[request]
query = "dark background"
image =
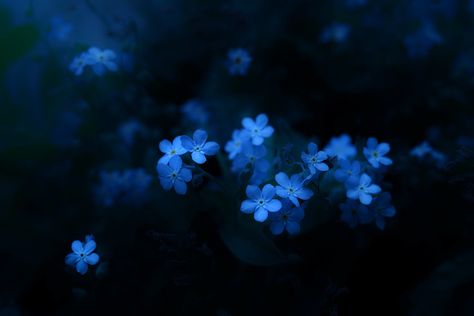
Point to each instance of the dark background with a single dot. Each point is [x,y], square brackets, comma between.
[164,256]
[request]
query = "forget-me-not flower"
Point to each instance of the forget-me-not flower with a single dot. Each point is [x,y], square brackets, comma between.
[292,188]
[258,129]
[234,147]
[288,217]
[78,64]
[260,202]
[314,159]
[348,171]
[363,190]
[83,255]
[336,33]
[171,149]
[199,147]
[238,61]
[101,60]
[174,175]
[129,129]
[354,213]
[420,43]
[251,155]
[375,153]
[341,147]
[381,208]
[195,111]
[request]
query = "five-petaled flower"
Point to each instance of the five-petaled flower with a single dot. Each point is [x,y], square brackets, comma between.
[82,255]
[292,188]
[348,172]
[363,190]
[288,217]
[341,147]
[101,60]
[314,159]
[171,149]
[234,147]
[258,129]
[375,152]
[260,202]
[238,61]
[199,147]
[174,175]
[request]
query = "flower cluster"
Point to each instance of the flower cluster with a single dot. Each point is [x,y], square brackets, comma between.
[83,255]
[99,60]
[173,173]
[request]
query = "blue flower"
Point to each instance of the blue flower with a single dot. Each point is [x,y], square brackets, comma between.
[336,32]
[253,155]
[199,147]
[238,61]
[82,255]
[363,190]
[354,213]
[341,147]
[174,175]
[234,147]
[424,150]
[128,130]
[260,202]
[382,208]
[288,217]
[171,150]
[78,64]
[195,111]
[420,43]
[101,60]
[348,171]
[293,188]
[375,152]
[314,159]
[258,129]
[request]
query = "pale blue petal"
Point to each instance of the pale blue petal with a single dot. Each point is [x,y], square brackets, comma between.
[353,194]
[365,179]
[166,183]
[282,179]
[186,174]
[76,247]
[165,159]
[372,143]
[92,259]
[187,143]
[267,131]
[89,247]
[72,259]
[268,192]
[261,215]
[282,192]
[211,148]
[322,167]
[198,157]
[200,137]
[294,200]
[312,149]
[163,170]
[248,123]
[248,206]
[82,267]
[385,161]
[176,163]
[257,140]
[253,192]
[165,146]
[180,187]
[304,193]
[273,206]
[365,198]
[261,121]
[383,148]
[373,189]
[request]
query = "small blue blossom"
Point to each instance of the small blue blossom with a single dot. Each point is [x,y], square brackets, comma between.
[375,152]
[288,217]
[199,147]
[195,111]
[420,43]
[78,64]
[314,159]
[101,60]
[171,150]
[238,62]
[363,190]
[292,188]
[234,147]
[174,175]
[260,202]
[348,172]
[381,208]
[354,213]
[341,147]
[251,155]
[258,129]
[83,255]
[336,33]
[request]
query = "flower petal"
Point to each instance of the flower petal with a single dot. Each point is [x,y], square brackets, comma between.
[76,247]
[82,267]
[71,259]
[268,192]
[257,140]
[200,137]
[198,157]
[186,174]
[248,123]
[292,228]
[267,132]
[261,215]
[373,189]
[365,179]
[273,206]
[304,193]
[282,179]
[365,198]
[180,186]
[92,259]
[248,206]
[176,163]
[187,143]
[165,146]
[253,192]
[89,247]
[211,148]
[261,121]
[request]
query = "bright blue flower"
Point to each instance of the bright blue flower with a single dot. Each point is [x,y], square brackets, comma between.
[314,159]
[82,255]
[288,217]
[363,190]
[258,129]
[336,33]
[293,188]
[420,43]
[253,156]
[174,175]
[101,60]
[78,64]
[260,202]
[348,172]
[171,150]
[382,208]
[375,152]
[199,147]
[195,111]
[354,213]
[341,147]
[234,147]
[238,61]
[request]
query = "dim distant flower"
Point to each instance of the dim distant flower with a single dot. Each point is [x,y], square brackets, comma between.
[375,153]
[348,171]
[174,175]
[381,208]
[258,129]
[336,33]
[424,150]
[128,130]
[341,147]
[234,147]
[363,190]
[260,202]
[199,147]
[253,156]
[420,43]
[288,217]
[101,60]
[238,61]
[292,188]
[59,29]
[171,150]
[195,111]
[314,159]
[354,213]
[78,64]
[82,255]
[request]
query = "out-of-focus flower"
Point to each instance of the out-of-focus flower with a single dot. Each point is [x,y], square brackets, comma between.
[354,213]
[260,202]
[424,150]
[195,111]
[82,255]
[314,159]
[375,153]
[128,130]
[171,150]
[238,62]
[381,208]
[335,33]
[251,155]
[234,147]
[59,29]
[78,64]
[347,172]
[101,60]
[419,44]
[174,175]
[199,147]
[363,190]
[288,217]
[292,188]
[258,129]
[341,147]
